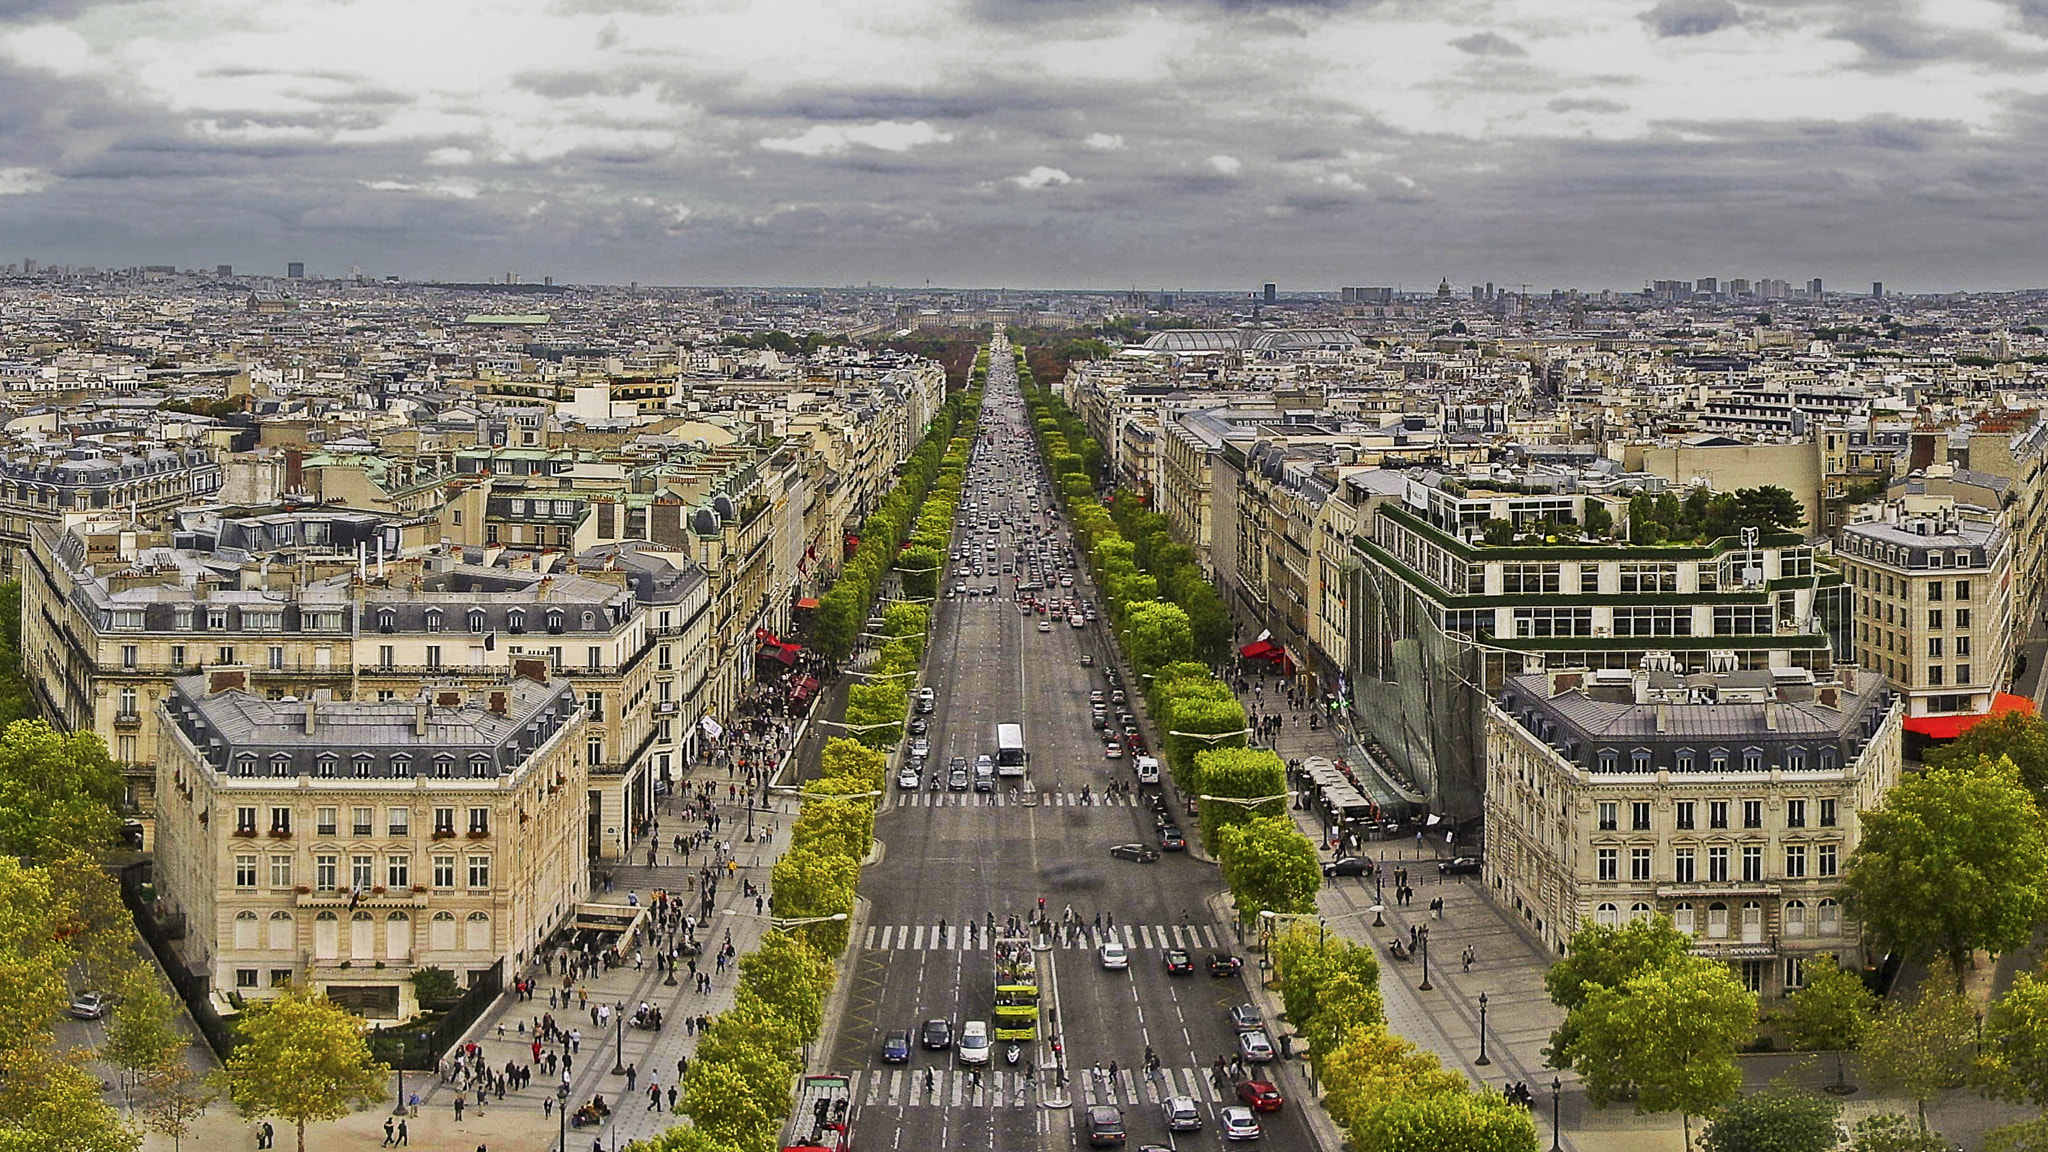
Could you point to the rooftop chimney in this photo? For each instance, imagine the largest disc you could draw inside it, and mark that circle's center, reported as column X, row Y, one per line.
column 309, row 716
column 419, row 718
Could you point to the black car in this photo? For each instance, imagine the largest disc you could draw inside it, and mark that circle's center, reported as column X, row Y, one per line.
column 920, row 726
column 938, row 1034
column 1459, row 866
column 1224, row 964
column 1179, row 963
column 1143, row 854
column 1171, row 840
column 1349, row 866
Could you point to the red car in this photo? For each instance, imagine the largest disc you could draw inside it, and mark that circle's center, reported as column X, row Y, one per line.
column 1260, row 1094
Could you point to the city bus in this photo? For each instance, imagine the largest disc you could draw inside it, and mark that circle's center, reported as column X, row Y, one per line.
column 1010, row 754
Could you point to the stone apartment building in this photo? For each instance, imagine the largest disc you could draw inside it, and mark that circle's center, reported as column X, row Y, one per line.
column 347, row 844
column 311, row 600
column 1728, row 801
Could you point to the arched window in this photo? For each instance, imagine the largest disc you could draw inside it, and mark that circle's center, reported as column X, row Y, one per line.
column 441, row 932
column 1830, row 917
column 1752, row 922
column 247, row 928
column 1795, row 917
column 387, row 620
column 1717, row 920
column 397, row 936
column 1607, row 915
column 326, row 936
column 1682, row 918
column 1639, row 912
column 283, row 932
column 362, row 936
column 554, row 619
column 478, row 932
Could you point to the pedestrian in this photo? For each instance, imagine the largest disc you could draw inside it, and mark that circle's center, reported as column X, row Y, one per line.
column 1469, row 957
column 672, row 1095
column 404, row 1140
column 458, row 1109
column 1436, row 908
column 390, row 1132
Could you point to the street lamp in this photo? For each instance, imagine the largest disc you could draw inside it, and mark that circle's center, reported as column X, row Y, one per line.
column 780, row 923
column 619, row 1041
column 1422, row 934
column 1243, row 801
column 884, row 675
column 1556, row 1094
column 1482, row 1061
column 1212, row 737
column 398, row 1070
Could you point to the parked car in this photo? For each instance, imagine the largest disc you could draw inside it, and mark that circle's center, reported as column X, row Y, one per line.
column 896, row 1047
column 1349, row 866
column 1142, row 853
column 1459, row 866
column 1260, row 1094
column 1246, row 1018
column 1224, row 964
column 1171, row 840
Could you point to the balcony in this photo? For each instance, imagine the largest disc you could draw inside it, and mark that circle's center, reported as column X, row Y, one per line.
column 127, row 719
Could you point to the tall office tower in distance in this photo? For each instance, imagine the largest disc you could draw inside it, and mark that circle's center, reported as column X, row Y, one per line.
column 295, row 271
column 1813, row 287
column 1272, row 293
column 1877, row 289
column 224, row 271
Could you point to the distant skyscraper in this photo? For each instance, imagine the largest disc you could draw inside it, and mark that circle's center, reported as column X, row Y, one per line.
column 1877, row 289
column 1272, row 293
column 1813, row 287
column 28, row 267
column 1707, row 285
column 224, row 271
column 295, row 271
column 1738, row 287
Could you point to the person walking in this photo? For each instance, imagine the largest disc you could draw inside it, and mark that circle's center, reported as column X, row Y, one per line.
column 458, row 1109
column 390, row 1132
column 404, row 1140
column 1469, row 957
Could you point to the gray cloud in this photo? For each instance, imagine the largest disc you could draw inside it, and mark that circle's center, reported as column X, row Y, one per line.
column 1691, row 17
column 1488, row 44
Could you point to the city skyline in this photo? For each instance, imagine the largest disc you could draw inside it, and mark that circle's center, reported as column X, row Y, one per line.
column 1197, row 143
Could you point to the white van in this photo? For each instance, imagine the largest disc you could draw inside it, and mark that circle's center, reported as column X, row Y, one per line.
column 1147, row 768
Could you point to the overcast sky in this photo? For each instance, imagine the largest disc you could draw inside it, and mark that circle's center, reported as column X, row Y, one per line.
column 1085, row 143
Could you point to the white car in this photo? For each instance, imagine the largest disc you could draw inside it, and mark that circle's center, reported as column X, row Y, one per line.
column 1045, row 625
column 1115, row 956
column 972, row 1047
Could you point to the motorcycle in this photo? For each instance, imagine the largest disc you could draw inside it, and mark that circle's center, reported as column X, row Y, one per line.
column 1011, row 1053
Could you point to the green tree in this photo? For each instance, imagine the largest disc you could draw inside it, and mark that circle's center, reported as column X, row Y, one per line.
column 1464, row 1121
column 806, row 883
column 726, row 1106
column 173, row 1096
column 1779, row 1121
column 1666, row 1035
column 15, row 701
column 1269, row 864
column 97, row 928
column 58, row 792
column 2014, row 1063
column 921, row 568
column 1160, row 634
column 1602, row 957
column 1954, row 860
column 791, row 978
column 1923, row 1045
column 143, row 1036
column 50, row 1102
column 1893, row 1132
column 434, row 985
column 683, row 1138
column 303, row 1059
column 2019, row 737
column 846, row 757
column 2023, row 1136
column 1372, row 1066
column 1241, row 772
column 1832, row 1013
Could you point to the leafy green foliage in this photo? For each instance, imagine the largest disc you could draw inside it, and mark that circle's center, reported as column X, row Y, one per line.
column 1923, row 1045
column 1667, row 1036
column 1241, row 772
column 2014, row 1063
column 1954, row 860
column 1833, row 1011
column 1774, row 1122
column 435, row 985
column 58, row 792
column 1269, row 865
column 1465, row 1121
column 15, row 701
column 1602, row 957
column 1893, row 1132
column 303, row 1059
column 2019, row 737
column 143, row 1035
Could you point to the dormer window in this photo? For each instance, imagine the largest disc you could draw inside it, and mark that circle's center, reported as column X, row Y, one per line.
column 364, row 765
column 555, row 619
column 444, row 766
column 479, row 765
column 515, row 621
column 245, row 764
column 387, row 620
column 326, row 763
column 433, row 619
column 401, row 765
column 476, row 619
column 281, row 764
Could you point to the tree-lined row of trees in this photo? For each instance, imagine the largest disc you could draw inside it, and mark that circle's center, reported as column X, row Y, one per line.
column 842, row 611
column 1181, row 580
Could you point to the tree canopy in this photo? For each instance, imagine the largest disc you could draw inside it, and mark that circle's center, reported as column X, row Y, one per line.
column 58, row 792
column 303, row 1059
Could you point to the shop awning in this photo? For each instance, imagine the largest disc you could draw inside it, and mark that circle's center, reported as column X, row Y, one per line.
column 1259, row 650
column 807, row 603
column 1950, row 727
column 786, row 653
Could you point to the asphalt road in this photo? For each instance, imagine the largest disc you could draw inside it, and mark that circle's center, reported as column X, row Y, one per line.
column 957, row 857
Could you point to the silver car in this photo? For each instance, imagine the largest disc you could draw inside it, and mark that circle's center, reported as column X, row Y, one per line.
column 1255, row 1046
column 1182, row 1114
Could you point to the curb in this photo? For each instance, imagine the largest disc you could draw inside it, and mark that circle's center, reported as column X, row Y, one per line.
column 828, row 1035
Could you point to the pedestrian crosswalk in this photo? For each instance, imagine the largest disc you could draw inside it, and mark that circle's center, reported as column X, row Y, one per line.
column 956, row 937
column 1024, row 799
column 954, row 1087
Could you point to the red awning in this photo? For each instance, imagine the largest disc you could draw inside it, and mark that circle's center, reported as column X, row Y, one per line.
column 1286, row 664
column 1259, row 650
column 807, row 603
column 1949, row 727
column 783, row 652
